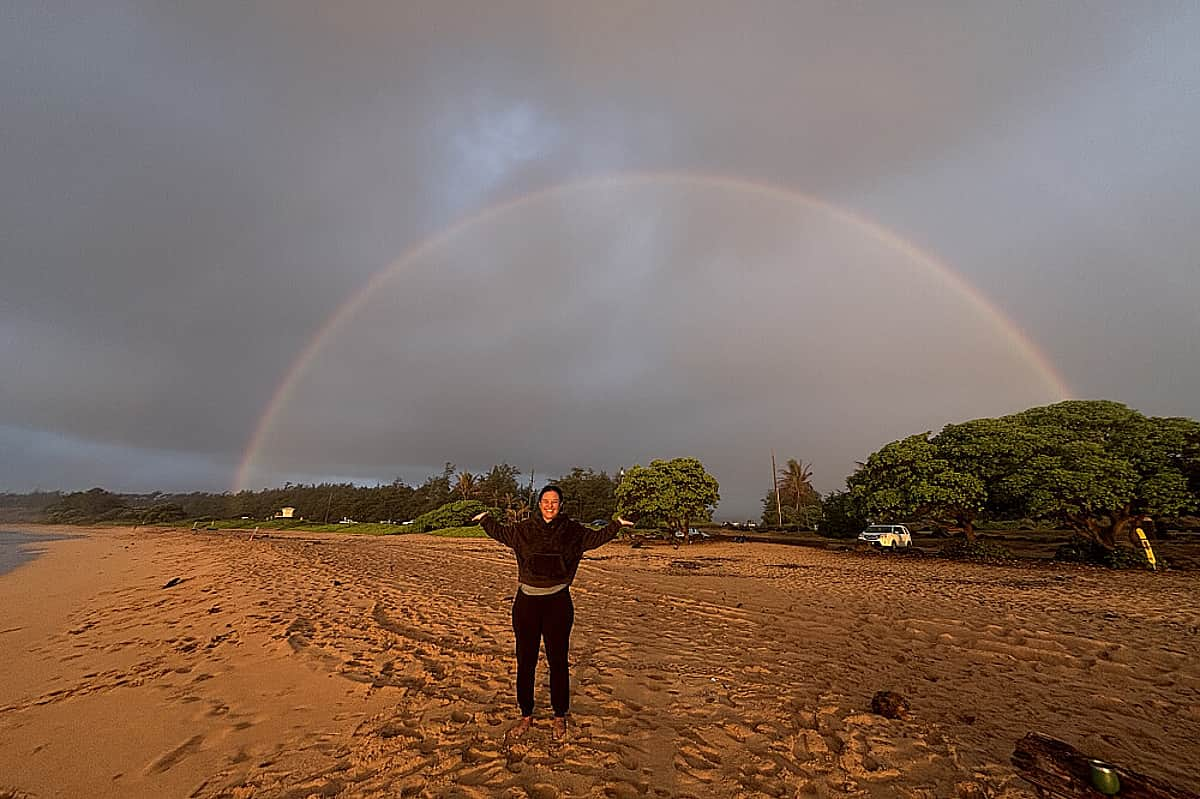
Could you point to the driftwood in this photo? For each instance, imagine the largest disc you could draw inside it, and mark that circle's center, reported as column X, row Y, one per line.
column 1058, row 769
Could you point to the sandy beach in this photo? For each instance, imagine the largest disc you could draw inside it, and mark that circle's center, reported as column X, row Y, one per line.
column 339, row 666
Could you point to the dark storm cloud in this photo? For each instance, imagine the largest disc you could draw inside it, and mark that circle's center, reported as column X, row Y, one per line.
column 190, row 192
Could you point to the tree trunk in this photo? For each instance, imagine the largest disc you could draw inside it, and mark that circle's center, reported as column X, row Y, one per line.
column 1059, row 769
column 1122, row 521
column 968, row 528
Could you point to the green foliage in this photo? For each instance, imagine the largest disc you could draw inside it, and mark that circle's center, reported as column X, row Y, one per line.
column 588, row 495
column 913, row 477
column 962, row 548
column 841, row 517
column 30, row 508
column 90, row 507
column 163, row 513
column 474, row 531
column 452, row 514
column 798, row 502
column 315, row 503
column 499, row 483
column 678, row 492
column 1091, row 465
column 1099, row 465
column 807, row 517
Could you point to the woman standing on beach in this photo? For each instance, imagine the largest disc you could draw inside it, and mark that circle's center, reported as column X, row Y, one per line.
column 549, row 546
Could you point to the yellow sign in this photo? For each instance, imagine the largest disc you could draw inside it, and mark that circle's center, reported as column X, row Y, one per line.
column 1141, row 534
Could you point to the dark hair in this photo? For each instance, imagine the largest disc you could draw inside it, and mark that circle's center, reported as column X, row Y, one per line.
column 547, row 490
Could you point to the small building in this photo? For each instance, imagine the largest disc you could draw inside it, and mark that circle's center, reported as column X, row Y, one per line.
column 286, row 513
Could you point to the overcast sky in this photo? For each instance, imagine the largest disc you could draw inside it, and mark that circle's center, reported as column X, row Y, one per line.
column 580, row 233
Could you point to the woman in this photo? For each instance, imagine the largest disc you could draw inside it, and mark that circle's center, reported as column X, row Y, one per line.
column 549, row 546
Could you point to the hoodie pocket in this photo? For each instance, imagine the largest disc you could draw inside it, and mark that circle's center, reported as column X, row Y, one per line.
column 550, row 565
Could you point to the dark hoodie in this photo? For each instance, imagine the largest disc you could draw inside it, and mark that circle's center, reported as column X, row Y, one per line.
column 548, row 553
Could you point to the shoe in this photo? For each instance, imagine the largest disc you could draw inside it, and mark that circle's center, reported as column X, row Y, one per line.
column 520, row 728
column 558, row 728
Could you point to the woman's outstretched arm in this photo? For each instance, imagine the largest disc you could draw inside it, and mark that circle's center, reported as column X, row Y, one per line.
column 504, row 533
column 594, row 538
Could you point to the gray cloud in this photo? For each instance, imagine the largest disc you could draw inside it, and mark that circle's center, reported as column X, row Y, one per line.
column 190, row 193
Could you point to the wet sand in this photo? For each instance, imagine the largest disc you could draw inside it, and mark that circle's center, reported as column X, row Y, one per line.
column 336, row 666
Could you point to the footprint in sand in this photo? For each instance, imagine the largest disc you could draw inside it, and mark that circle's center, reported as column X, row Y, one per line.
column 170, row 759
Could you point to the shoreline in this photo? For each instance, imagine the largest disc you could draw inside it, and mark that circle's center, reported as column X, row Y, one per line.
column 355, row 666
column 19, row 547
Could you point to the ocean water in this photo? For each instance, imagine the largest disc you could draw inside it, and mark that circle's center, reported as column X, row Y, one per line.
column 17, row 547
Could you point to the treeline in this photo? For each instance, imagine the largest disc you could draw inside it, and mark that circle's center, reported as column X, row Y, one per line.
column 589, row 495
column 1093, row 466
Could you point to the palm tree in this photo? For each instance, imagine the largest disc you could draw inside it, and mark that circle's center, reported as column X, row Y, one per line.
column 794, row 485
column 467, row 485
column 516, row 510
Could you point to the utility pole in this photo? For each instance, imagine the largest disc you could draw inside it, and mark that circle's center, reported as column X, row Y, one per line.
column 775, row 485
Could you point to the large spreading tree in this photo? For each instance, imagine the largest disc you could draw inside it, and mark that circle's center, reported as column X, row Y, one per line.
column 1094, row 466
column 913, row 478
column 677, row 492
column 1097, row 466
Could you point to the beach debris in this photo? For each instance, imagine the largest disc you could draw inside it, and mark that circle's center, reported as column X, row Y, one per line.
column 890, row 704
column 1059, row 769
column 174, row 581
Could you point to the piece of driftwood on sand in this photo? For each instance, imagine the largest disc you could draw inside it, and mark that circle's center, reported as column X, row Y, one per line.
column 1058, row 769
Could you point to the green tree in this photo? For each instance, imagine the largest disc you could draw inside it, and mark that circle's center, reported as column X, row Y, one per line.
column 1092, row 465
column 910, row 478
column 86, row 507
column 499, row 482
column 1190, row 461
column 995, row 451
column 799, row 503
column 452, row 514
column 435, row 491
column 841, row 518
column 677, row 492
column 588, row 494
column 466, row 485
column 1098, row 465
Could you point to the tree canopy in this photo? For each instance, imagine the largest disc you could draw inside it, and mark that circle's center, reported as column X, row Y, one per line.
column 678, row 492
column 588, row 494
column 913, row 477
column 1094, row 466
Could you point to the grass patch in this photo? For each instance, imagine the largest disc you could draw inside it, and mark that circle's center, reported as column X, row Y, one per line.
column 474, row 531
column 361, row 528
column 364, row 528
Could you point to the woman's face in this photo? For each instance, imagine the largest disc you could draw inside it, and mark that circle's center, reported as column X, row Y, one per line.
column 549, row 505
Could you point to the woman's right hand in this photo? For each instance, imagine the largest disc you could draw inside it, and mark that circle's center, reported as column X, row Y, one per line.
column 479, row 516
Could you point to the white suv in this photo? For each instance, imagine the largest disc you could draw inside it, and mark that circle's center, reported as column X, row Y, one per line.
column 886, row 535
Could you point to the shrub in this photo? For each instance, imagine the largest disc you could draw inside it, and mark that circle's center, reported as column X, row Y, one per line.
column 163, row 513
column 454, row 514
column 1083, row 550
column 980, row 549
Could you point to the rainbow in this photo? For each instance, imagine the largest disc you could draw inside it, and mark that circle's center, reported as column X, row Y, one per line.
column 992, row 315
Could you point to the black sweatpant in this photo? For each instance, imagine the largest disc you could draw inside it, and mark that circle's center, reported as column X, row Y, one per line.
column 543, row 617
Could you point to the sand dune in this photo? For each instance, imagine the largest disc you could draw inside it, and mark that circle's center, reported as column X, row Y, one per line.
column 334, row 666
